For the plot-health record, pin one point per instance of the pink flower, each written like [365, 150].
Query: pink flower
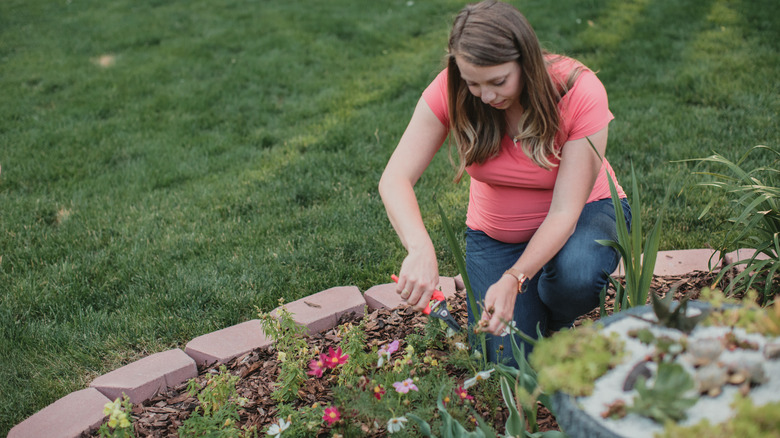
[385, 351]
[463, 394]
[332, 415]
[316, 367]
[334, 358]
[391, 348]
[405, 386]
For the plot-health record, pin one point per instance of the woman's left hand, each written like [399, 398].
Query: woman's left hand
[499, 305]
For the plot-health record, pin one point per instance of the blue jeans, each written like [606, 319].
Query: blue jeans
[567, 287]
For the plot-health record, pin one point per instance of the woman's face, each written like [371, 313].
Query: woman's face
[497, 85]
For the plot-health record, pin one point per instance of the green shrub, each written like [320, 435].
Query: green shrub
[755, 198]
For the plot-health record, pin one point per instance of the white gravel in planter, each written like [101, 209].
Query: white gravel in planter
[609, 388]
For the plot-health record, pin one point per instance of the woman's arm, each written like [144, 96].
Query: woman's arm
[578, 170]
[423, 137]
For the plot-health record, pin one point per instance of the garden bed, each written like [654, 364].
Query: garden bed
[162, 415]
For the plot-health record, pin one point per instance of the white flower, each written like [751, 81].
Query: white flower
[461, 346]
[395, 424]
[276, 429]
[482, 375]
[507, 330]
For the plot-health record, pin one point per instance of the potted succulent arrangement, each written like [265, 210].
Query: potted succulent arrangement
[668, 370]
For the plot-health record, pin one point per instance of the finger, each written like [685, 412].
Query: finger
[483, 323]
[497, 325]
[422, 298]
[499, 329]
[415, 299]
[403, 287]
[487, 312]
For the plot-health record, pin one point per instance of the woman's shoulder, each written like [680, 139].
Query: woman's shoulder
[561, 67]
[435, 96]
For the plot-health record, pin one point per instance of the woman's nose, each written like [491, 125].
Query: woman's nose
[488, 96]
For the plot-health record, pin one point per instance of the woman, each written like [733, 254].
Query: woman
[522, 122]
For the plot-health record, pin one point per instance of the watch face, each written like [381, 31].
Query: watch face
[524, 285]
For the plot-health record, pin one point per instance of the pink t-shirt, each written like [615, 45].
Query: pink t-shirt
[509, 195]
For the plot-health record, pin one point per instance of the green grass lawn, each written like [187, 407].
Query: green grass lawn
[169, 166]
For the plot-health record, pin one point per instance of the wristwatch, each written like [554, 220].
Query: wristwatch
[522, 279]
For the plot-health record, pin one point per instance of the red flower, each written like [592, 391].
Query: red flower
[316, 367]
[463, 394]
[334, 358]
[332, 415]
[379, 391]
[363, 382]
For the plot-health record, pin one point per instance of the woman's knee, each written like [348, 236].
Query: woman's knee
[574, 291]
[575, 270]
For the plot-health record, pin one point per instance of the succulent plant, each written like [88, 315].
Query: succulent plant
[750, 421]
[665, 400]
[769, 321]
[571, 360]
[676, 318]
[644, 335]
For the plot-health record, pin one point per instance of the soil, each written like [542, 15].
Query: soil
[162, 415]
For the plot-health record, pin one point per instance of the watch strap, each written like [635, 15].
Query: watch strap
[522, 279]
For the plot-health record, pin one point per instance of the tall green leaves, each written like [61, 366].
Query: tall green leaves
[460, 261]
[755, 196]
[638, 256]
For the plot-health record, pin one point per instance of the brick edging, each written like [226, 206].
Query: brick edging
[82, 410]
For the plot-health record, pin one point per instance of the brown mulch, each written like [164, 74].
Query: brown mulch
[163, 414]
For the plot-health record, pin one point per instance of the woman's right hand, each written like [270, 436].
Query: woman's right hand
[418, 278]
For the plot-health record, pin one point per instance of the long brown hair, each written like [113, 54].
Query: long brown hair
[491, 33]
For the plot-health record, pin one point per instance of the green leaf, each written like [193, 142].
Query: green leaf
[548, 434]
[665, 400]
[638, 264]
[460, 261]
[422, 425]
[757, 219]
[515, 423]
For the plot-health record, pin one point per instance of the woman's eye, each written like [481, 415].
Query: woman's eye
[500, 83]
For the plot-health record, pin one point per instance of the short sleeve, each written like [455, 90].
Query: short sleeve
[585, 108]
[436, 97]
